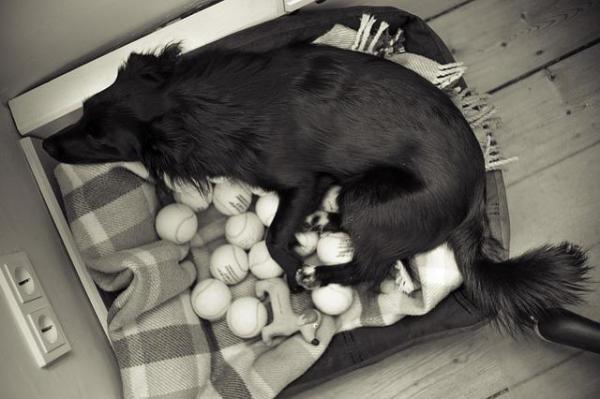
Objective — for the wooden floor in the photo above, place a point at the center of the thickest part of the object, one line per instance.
(540, 60)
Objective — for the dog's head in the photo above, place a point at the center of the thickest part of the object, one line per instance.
(117, 123)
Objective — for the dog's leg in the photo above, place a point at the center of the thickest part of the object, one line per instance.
(389, 216)
(321, 222)
(311, 277)
(294, 205)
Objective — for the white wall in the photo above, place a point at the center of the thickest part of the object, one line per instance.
(44, 38)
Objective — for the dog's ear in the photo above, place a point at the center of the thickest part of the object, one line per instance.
(152, 68)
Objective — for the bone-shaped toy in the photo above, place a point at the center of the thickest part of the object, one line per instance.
(285, 321)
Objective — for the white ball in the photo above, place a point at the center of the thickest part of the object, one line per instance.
(388, 286)
(218, 179)
(229, 264)
(307, 243)
(335, 248)
(261, 264)
(176, 223)
(333, 299)
(246, 317)
(189, 195)
(266, 208)
(330, 203)
(211, 299)
(244, 230)
(231, 198)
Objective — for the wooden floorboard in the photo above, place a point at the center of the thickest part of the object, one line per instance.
(500, 40)
(559, 199)
(550, 115)
(560, 202)
(577, 377)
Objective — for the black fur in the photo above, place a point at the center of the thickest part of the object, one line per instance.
(299, 119)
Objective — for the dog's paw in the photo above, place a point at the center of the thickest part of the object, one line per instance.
(316, 221)
(293, 285)
(307, 278)
(322, 222)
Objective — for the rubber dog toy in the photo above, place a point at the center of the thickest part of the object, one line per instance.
(285, 321)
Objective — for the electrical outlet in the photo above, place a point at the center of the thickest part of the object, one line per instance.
(32, 310)
(46, 329)
(20, 275)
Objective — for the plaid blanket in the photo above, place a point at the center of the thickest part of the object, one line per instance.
(163, 349)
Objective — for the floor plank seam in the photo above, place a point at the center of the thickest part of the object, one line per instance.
(545, 370)
(544, 66)
(498, 394)
(550, 165)
(448, 10)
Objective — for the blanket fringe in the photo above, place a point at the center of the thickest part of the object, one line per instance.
(363, 34)
(383, 26)
(449, 74)
(403, 278)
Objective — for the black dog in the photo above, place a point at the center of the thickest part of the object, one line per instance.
(299, 119)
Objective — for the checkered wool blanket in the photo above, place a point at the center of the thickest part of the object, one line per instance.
(163, 349)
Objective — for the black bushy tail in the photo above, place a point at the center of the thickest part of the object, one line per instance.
(519, 289)
(515, 291)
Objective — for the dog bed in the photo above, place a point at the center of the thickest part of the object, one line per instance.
(162, 348)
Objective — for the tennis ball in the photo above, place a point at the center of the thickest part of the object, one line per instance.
(210, 299)
(244, 230)
(189, 195)
(231, 197)
(229, 264)
(246, 317)
(307, 243)
(330, 203)
(333, 299)
(335, 248)
(261, 264)
(266, 208)
(176, 223)
(218, 179)
(388, 286)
